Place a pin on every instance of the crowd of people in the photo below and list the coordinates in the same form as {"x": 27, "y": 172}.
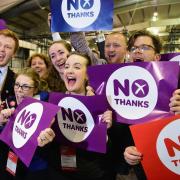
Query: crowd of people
{"x": 64, "y": 70}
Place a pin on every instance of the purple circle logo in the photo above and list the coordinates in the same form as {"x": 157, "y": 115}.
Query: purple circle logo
{"x": 134, "y": 94}
{"x": 26, "y": 123}
{"x": 79, "y": 116}
{"x": 73, "y": 119}
{"x": 140, "y": 88}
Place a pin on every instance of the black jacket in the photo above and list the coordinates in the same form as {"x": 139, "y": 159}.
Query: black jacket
{"x": 8, "y": 87}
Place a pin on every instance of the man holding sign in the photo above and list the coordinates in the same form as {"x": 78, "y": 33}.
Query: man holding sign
{"x": 144, "y": 47}
{"x": 81, "y": 15}
{"x": 115, "y": 43}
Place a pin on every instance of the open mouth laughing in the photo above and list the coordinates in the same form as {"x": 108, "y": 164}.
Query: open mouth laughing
{"x": 71, "y": 81}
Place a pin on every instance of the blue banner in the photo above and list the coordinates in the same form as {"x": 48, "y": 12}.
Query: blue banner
{"x": 81, "y": 15}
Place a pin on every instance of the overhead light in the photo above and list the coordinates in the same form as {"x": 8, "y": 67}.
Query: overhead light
{"x": 155, "y": 16}
{"x": 154, "y": 30}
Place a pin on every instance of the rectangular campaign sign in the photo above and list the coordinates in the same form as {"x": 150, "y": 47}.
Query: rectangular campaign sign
{"x": 81, "y": 15}
{"x": 137, "y": 92}
{"x": 159, "y": 142}
{"x": 79, "y": 121}
{"x": 24, "y": 126}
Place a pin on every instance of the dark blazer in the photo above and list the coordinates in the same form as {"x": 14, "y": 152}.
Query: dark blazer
{"x": 8, "y": 87}
{"x": 7, "y": 90}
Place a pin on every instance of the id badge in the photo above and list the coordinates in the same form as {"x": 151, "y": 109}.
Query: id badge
{"x": 68, "y": 158}
{"x": 11, "y": 163}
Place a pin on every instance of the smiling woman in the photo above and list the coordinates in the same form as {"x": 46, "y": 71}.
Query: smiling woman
{"x": 80, "y": 162}
{"x": 40, "y": 63}
{"x": 28, "y": 84}
{"x": 44, "y": 67}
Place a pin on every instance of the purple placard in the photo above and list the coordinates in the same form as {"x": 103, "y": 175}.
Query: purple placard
{"x": 81, "y": 15}
{"x": 79, "y": 121}
{"x": 25, "y": 125}
{"x": 170, "y": 57}
{"x": 138, "y": 92}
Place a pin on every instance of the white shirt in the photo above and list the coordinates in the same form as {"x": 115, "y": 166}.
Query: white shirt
{"x": 3, "y": 74}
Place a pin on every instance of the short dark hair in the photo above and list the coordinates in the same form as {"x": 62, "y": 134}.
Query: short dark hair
{"x": 155, "y": 39}
{"x": 82, "y": 55}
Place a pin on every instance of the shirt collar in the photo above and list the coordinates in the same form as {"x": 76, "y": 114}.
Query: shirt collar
{"x": 4, "y": 69}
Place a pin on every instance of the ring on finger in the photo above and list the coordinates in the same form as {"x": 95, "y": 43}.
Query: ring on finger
{"x": 43, "y": 139}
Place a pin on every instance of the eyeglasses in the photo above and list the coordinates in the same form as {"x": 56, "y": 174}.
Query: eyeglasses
{"x": 24, "y": 87}
{"x": 142, "y": 48}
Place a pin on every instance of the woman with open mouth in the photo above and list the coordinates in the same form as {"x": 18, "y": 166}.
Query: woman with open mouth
{"x": 88, "y": 165}
{"x": 29, "y": 84}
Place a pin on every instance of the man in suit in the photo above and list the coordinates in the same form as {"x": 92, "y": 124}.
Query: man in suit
{"x": 9, "y": 44}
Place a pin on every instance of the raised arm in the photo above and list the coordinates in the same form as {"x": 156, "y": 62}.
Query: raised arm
{"x": 80, "y": 44}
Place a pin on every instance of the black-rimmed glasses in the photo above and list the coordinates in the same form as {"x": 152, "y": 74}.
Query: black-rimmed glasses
{"x": 142, "y": 48}
{"x": 24, "y": 87}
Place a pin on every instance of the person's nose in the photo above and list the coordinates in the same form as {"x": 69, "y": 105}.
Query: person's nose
{"x": 137, "y": 50}
{"x": 36, "y": 66}
{"x": 70, "y": 70}
{"x": 111, "y": 47}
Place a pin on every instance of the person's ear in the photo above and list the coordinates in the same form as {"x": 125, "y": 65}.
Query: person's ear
{"x": 13, "y": 55}
{"x": 157, "y": 57}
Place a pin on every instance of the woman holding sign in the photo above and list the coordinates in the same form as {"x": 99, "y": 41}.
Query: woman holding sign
{"x": 27, "y": 84}
{"x": 81, "y": 164}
